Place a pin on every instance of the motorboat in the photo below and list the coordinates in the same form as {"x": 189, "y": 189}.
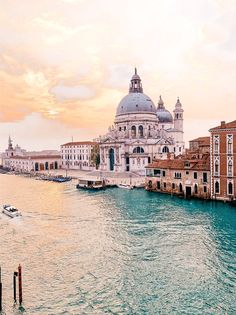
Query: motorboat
{"x": 91, "y": 184}
{"x": 11, "y": 211}
{"x": 125, "y": 186}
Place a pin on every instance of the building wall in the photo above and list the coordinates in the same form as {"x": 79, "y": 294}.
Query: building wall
{"x": 169, "y": 181}
{"x": 77, "y": 156}
{"x": 32, "y": 164}
{"x": 223, "y": 157}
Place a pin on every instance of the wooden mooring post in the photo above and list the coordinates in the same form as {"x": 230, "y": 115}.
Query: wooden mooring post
{"x": 20, "y": 284}
{"x": 0, "y": 289}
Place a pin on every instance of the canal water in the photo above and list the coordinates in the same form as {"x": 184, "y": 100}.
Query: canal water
{"x": 116, "y": 251}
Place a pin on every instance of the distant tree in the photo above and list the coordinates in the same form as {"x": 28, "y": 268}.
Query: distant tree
{"x": 95, "y": 156}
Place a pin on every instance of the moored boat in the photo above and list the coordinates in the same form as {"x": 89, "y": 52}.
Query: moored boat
{"x": 11, "y": 211}
{"x": 92, "y": 184}
{"x": 125, "y": 186}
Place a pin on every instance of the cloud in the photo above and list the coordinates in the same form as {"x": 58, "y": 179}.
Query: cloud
{"x": 81, "y": 92}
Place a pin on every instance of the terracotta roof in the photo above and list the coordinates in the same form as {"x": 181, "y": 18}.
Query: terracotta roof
{"x": 179, "y": 164}
{"x": 225, "y": 125}
{"x": 203, "y": 141}
{"x": 79, "y": 143}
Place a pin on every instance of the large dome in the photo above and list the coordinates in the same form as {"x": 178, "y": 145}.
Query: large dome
{"x": 135, "y": 102}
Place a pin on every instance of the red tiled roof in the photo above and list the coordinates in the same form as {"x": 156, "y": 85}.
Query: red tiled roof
{"x": 179, "y": 164}
{"x": 79, "y": 143}
{"x": 223, "y": 125}
{"x": 203, "y": 141}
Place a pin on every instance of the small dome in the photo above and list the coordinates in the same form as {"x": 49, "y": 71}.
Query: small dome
{"x": 135, "y": 102}
{"x": 163, "y": 115}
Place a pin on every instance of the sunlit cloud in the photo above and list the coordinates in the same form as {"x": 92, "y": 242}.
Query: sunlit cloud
{"x": 70, "y": 61}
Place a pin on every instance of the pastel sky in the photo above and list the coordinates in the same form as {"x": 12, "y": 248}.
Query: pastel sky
{"x": 65, "y": 64}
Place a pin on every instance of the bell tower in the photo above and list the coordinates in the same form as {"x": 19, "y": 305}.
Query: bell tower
{"x": 178, "y": 116}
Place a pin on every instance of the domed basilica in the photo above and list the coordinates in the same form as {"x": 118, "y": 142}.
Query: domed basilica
{"x": 141, "y": 133}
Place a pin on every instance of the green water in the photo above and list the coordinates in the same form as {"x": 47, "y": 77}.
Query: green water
{"x": 117, "y": 251}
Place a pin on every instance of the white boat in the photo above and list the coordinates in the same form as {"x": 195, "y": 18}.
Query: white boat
{"x": 11, "y": 211}
{"x": 125, "y": 186}
{"x": 92, "y": 184}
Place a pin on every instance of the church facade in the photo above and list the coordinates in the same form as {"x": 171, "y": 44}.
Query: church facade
{"x": 142, "y": 132}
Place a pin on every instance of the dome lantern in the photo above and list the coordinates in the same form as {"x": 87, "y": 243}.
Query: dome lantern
{"x": 135, "y": 83}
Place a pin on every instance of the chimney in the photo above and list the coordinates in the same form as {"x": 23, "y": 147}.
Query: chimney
{"x": 222, "y": 124}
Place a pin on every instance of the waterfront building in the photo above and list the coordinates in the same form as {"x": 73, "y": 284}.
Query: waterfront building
{"x": 18, "y": 159}
{"x": 201, "y": 144}
{"x": 223, "y": 161}
{"x": 187, "y": 175}
{"x": 141, "y": 133}
{"x": 83, "y": 155}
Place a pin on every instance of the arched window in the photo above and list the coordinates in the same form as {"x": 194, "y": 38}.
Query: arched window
{"x": 216, "y": 167}
{"x": 216, "y": 144}
{"x": 230, "y": 146}
{"x": 195, "y": 189}
{"x": 138, "y": 150}
{"x": 133, "y": 131}
{"x": 217, "y": 187}
{"x": 165, "y": 149}
{"x": 230, "y": 188}
{"x": 140, "y": 131}
{"x": 230, "y": 168}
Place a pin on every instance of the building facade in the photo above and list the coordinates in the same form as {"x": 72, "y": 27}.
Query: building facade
{"x": 141, "y": 133}
{"x": 79, "y": 155}
{"x": 223, "y": 161}
{"x": 188, "y": 176}
{"x": 20, "y": 160}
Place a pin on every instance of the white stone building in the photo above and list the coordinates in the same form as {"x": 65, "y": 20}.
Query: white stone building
{"x": 20, "y": 160}
{"x": 78, "y": 155}
{"x": 141, "y": 132}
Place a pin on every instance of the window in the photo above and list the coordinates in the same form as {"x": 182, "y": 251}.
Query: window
{"x": 177, "y": 175}
{"x": 217, "y": 187}
{"x": 230, "y": 188}
{"x": 205, "y": 189}
{"x": 173, "y": 185}
{"x": 186, "y": 164}
{"x": 140, "y": 131}
{"x": 195, "y": 189}
{"x": 230, "y": 168}
{"x": 216, "y": 144}
{"x": 229, "y": 144}
{"x": 204, "y": 177}
{"x": 138, "y": 150}
{"x": 163, "y": 173}
{"x": 157, "y": 172}
{"x": 133, "y": 131}
{"x": 158, "y": 185}
{"x": 164, "y": 184}
{"x": 195, "y": 175}
{"x": 187, "y": 172}
{"x": 165, "y": 149}
{"x": 119, "y": 128}
{"x": 216, "y": 167}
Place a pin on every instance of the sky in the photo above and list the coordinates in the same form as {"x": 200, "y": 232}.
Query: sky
{"x": 66, "y": 64}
